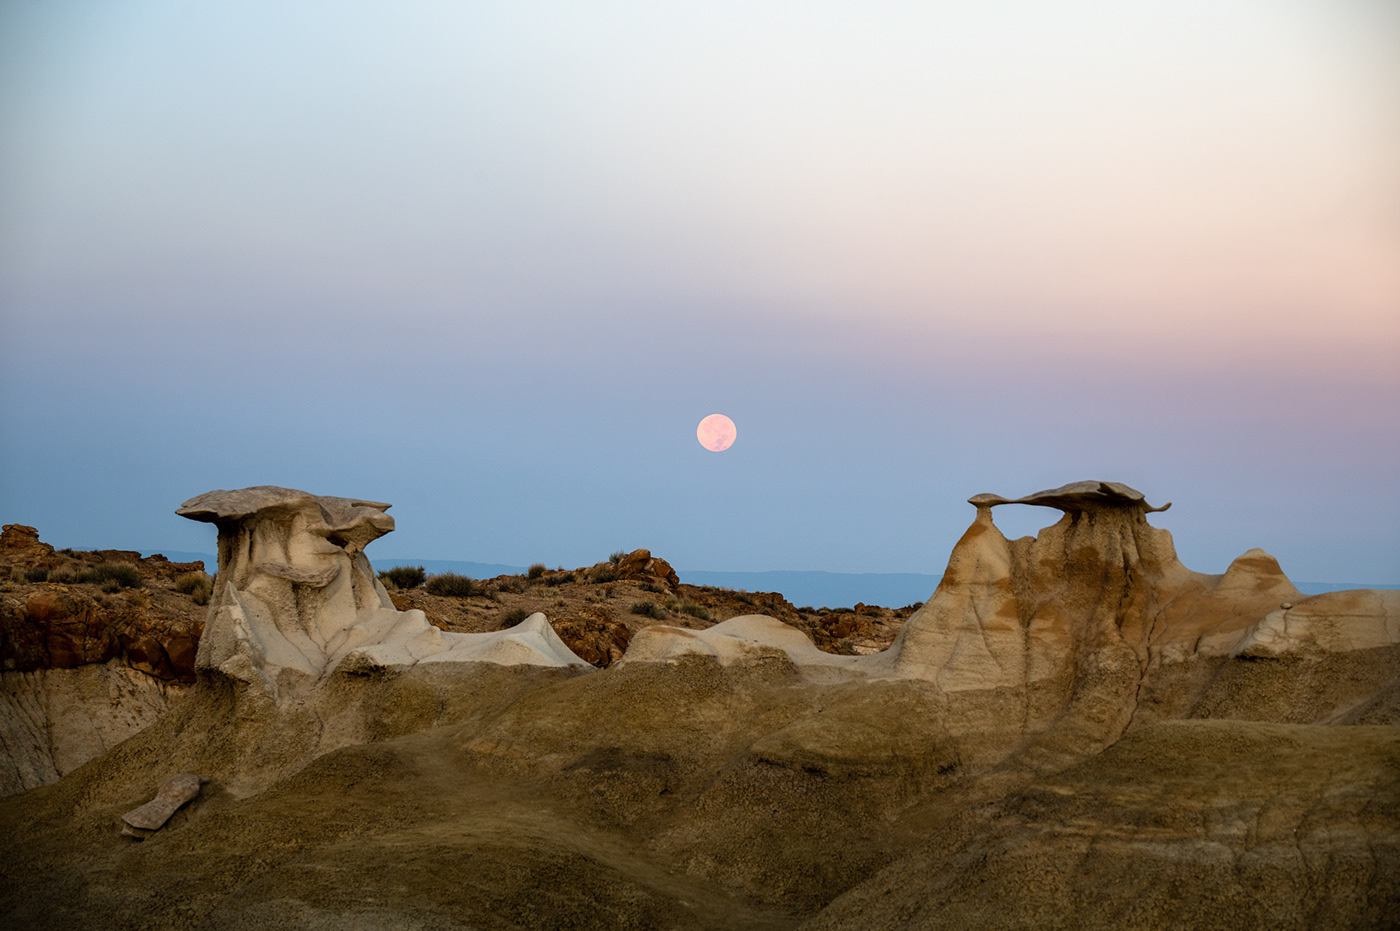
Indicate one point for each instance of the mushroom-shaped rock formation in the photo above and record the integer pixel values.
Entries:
(1050, 647)
(295, 596)
(1020, 756)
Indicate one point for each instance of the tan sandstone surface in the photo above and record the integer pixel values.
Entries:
(1074, 731)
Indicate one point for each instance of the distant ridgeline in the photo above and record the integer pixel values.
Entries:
(815, 589)
(826, 589)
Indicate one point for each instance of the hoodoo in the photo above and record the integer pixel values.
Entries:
(295, 597)
(1075, 730)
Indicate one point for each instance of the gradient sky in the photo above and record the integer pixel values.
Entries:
(492, 262)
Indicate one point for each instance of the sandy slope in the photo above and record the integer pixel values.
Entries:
(697, 796)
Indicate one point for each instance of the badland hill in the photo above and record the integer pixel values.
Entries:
(1074, 731)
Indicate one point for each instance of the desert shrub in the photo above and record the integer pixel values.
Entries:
(37, 574)
(67, 551)
(560, 578)
(515, 584)
(913, 607)
(603, 572)
(17, 575)
(111, 575)
(198, 585)
(536, 570)
(652, 587)
(513, 616)
(695, 610)
(403, 577)
(453, 585)
(61, 576)
(806, 609)
(745, 597)
(616, 556)
(189, 582)
(648, 609)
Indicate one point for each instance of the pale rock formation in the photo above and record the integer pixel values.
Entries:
(295, 597)
(1045, 649)
(747, 639)
(1051, 647)
(173, 792)
(1075, 731)
(1336, 622)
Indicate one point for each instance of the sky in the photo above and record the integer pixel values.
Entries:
(493, 261)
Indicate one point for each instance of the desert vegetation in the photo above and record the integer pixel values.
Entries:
(198, 585)
(111, 576)
(453, 585)
(649, 609)
(403, 577)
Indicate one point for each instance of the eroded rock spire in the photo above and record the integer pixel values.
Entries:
(295, 596)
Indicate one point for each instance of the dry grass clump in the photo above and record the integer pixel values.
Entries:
(453, 585)
(536, 570)
(198, 585)
(111, 576)
(403, 577)
(513, 584)
(649, 609)
(694, 610)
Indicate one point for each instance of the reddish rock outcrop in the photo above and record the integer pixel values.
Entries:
(56, 614)
(641, 566)
(20, 547)
(596, 636)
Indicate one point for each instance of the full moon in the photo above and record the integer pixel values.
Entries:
(716, 433)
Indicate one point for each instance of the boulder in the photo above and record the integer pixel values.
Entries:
(20, 547)
(173, 793)
(641, 566)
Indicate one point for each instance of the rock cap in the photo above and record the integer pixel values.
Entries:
(1076, 496)
(350, 519)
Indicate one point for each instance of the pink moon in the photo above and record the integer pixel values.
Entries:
(716, 433)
